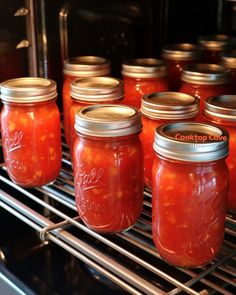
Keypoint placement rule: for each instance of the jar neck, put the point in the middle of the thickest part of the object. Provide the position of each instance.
(30, 104)
(193, 165)
(84, 137)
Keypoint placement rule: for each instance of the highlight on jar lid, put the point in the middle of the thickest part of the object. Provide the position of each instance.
(97, 89)
(86, 66)
(221, 107)
(28, 90)
(169, 105)
(181, 51)
(108, 120)
(208, 74)
(192, 142)
(228, 59)
(215, 42)
(144, 68)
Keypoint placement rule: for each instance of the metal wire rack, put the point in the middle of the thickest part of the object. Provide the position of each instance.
(129, 259)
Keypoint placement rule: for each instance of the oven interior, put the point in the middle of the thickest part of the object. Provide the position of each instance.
(44, 247)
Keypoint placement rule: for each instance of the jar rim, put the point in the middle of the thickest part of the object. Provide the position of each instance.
(108, 120)
(28, 90)
(97, 89)
(169, 105)
(144, 68)
(181, 51)
(191, 141)
(221, 107)
(86, 66)
(205, 74)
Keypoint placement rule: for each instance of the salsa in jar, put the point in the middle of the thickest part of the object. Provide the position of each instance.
(142, 76)
(221, 110)
(205, 80)
(31, 134)
(177, 56)
(79, 67)
(108, 167)
(159, 108)
(89, 91)
(190, 186)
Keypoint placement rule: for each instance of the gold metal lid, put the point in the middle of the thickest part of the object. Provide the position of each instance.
(221, 107)
(144, 68)
(216, 42)
(28, 90)
(169, 105)
(108, 120)
(208, 74)
(97, 89)
(181, 51)
(86, 66)
(191, 142)
(228, 59)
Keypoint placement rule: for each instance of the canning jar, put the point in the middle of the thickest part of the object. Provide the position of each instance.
(228, 60)
(108, 167)
(159, 108)
(31, 136)
(141, 76)
(205, 80)
(190, 186)
(177, 56)
(93, 90)
(221, 110)
(213, 46)
(79, 67)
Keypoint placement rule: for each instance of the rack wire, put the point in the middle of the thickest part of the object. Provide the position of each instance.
(129, 259)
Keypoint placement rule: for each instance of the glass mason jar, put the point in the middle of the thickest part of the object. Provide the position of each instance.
(79, 67)
(159, 108)
(177, 56)
(190, 186)
(94, 90)
(221, 111)
(205, 80)
(31, 134)
(213, 46)
(108, 167)
(142, 76)
(228, 60)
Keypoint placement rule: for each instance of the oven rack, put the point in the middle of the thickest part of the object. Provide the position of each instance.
(129, 259)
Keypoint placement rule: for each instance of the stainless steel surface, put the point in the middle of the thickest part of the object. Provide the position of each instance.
(129, 259)
(63, 19)
(31, 37)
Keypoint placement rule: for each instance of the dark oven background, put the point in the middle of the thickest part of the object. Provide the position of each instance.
(116, 29)
(31, 44)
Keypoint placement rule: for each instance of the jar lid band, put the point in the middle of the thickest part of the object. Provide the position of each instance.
(108, 120)
(181, 52)
(191, 142)
(28, 90)
(221, 107)
(169, 105)
(144, 68)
